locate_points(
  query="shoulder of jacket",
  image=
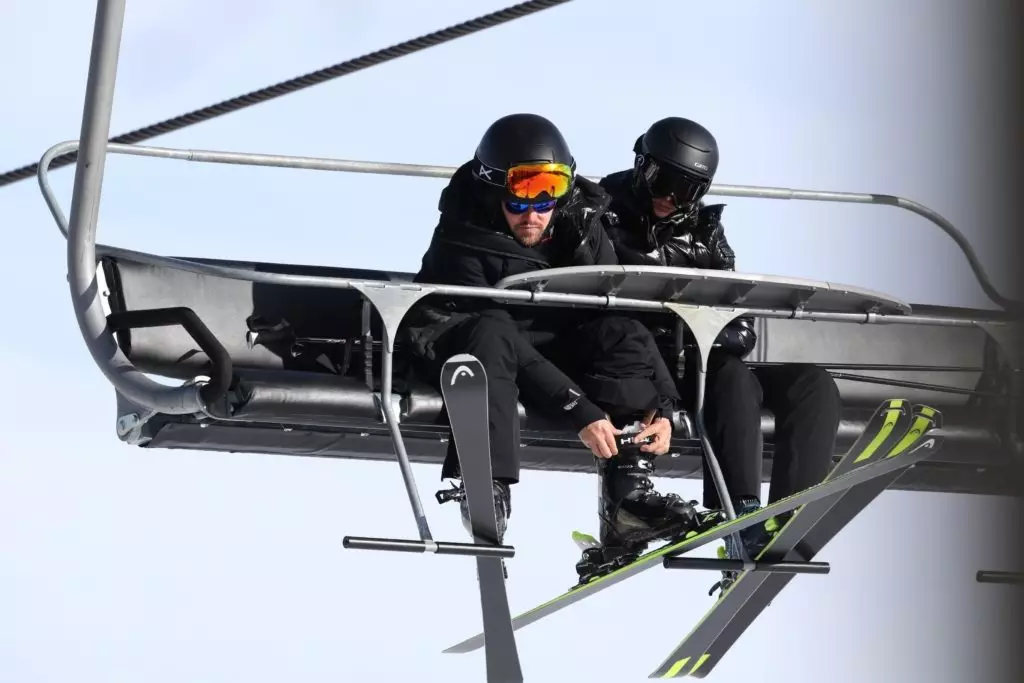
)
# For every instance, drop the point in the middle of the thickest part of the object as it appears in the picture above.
(616, 179)
(618, 185)
(710, 212)
(457, 194)
(591, 194)
(709, 219)
(587, 206)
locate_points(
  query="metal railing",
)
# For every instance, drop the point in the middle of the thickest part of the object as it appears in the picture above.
(82, 249)
(444, 172)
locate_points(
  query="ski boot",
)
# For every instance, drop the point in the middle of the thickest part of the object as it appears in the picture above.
(632, 513)
(502, 509)
(755, 539)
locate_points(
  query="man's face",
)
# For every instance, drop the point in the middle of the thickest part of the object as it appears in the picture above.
(663, 206)
(527, 227)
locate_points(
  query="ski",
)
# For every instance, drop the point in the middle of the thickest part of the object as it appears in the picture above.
(842, 513)
(653, 558)
(464, 388)
(734, 610)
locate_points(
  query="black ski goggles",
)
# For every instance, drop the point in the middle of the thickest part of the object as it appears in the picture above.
(667, 181)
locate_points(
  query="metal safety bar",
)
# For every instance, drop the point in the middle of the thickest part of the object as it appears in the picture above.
(438, 548)
(993, 576)
(505, 295)
(391, 300)
(771, 566)
(444, 172)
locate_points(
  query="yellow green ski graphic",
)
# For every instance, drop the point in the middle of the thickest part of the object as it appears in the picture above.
(799, 540)
(859, 475)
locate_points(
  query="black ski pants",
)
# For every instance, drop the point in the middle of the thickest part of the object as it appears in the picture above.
(575, 374)
(805, 402)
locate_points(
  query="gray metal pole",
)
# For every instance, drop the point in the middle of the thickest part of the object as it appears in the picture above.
(992, 576)
(85, 203)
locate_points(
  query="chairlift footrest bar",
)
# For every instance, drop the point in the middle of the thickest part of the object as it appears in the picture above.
(714, 564)
(436, 547)
(992, 576)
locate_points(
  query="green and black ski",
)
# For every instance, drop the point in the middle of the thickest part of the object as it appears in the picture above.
(799, 540)
(654, 558)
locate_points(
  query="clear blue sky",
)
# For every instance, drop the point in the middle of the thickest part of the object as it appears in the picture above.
(123, 565)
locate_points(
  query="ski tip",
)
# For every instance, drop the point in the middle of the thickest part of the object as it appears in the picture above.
(584, 541)
(933, 414)
(462, 358)
(462, 365)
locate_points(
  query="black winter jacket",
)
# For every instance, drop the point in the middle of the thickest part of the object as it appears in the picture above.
(696, 240)
(466, 248)
(473, 247)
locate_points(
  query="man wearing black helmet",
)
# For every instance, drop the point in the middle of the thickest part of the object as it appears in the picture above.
(516, 207)
(657, 218)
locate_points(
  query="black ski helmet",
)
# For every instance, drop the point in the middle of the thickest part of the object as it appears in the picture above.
(519, 139)
(675, 157)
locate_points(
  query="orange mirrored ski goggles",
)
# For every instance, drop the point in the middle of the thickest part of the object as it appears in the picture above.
(528, 182)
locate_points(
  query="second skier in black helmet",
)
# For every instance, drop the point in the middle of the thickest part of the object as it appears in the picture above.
(675, 163)
(658, 218)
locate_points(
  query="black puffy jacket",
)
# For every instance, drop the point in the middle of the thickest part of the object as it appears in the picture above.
(472, 246)
(696, 240)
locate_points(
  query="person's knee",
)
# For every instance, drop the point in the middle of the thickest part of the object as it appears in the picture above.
(615, 332)
(731, 375)
(489, 338)
(817, 386)
(615, 346)
(622, 324)
(734, 394)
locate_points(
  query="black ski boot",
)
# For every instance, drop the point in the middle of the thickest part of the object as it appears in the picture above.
(632, 514)
(502, 509)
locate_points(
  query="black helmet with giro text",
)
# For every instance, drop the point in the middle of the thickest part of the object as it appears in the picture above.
(524, 161)
(675, 158)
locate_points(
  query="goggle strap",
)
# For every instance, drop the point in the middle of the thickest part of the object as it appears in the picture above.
(498, 178)
(489, 175)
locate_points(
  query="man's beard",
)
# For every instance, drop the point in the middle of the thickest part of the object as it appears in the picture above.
(531, 239)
